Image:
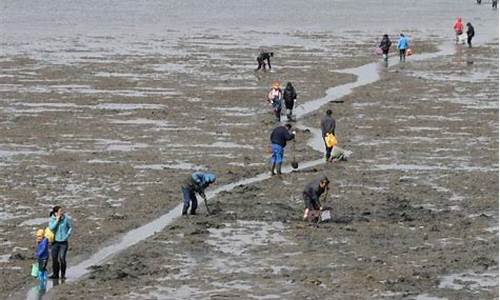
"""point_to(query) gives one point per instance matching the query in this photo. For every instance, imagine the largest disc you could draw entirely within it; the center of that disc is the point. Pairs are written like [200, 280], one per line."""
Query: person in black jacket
[264, 56]
[470, 34]
[279, 137]
[385, 45]
[312, 192]
[327, 126]
[289, 95]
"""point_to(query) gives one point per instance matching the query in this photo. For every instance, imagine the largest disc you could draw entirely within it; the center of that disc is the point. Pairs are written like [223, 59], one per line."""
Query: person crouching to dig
[312, 192]
[196, 183]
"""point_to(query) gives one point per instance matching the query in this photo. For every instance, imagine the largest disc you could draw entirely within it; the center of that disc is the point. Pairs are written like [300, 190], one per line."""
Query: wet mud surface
[415, 208]
[110, 137]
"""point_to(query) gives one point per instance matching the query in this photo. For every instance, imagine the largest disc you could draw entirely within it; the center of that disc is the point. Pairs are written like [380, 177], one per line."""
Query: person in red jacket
[459, 28]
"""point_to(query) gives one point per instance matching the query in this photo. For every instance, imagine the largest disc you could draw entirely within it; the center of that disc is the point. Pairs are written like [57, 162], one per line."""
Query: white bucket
[326, 215]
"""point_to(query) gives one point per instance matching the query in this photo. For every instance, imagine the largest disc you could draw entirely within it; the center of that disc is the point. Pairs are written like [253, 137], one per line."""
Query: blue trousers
[188, 195]
[278, 152]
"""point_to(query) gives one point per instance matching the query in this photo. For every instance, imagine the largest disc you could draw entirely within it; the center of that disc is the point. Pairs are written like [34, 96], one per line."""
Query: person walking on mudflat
[62, 226]
[470, 34]
[385, 45]
[195, 183]
[311, 193]
[262, 59]
[458, 26]
[279, 137]
[290, 97]
[403, 45]
[275, 97]
[327, 127]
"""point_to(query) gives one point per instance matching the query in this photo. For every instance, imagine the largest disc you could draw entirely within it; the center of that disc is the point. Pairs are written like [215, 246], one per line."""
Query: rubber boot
[272, 170]
[192, 212]
[278, 169]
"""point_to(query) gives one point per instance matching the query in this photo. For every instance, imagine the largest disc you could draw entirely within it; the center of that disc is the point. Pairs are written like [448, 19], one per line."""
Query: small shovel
[206, 204]
[294, 162]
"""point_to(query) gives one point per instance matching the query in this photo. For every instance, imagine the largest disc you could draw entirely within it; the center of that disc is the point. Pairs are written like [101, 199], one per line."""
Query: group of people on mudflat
[197, 182]
[403, 44]
[52, 242]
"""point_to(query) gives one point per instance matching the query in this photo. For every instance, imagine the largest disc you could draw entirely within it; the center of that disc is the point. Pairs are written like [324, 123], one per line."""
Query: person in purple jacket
[42, 256]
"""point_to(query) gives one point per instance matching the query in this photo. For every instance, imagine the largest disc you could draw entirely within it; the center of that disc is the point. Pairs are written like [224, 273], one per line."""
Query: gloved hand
[294, 132]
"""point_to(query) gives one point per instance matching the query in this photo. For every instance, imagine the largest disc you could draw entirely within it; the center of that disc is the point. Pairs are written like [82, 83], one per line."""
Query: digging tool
[294, 162]
[206, 204]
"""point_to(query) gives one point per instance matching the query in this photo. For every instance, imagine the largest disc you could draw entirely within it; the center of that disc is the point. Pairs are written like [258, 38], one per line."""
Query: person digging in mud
[470, 34]
[279, 137]
[62, 227]
[290, 97]
[262, 58]
[311, 193]
[403, 45]
[385, 45]
[275, 97]
[327, 127]
[195, 183]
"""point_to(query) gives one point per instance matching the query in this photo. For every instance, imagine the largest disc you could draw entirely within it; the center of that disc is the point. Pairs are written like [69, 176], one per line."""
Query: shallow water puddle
[180, 165]
[244, 235]
[470, 280]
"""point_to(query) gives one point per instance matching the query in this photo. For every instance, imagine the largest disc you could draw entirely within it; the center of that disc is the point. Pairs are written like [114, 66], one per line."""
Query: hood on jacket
[209, 177]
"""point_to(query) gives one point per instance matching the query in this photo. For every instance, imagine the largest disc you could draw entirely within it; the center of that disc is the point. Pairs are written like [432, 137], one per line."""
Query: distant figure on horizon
[470, 34]
[459, 28]
[494, 4]
[385, 45]
[262, 58]
[403, 44]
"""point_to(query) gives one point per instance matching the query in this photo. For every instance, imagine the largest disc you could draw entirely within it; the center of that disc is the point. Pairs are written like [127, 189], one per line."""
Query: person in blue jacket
[279, 137]
[62, 227]
[196, 183]
[42, 256]
[403, 44]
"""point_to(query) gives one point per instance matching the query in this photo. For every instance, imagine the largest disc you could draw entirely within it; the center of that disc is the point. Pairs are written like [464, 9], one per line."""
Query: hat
[40, 233]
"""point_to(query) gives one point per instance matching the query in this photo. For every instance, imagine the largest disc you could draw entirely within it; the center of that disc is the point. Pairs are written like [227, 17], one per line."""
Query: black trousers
[402, 54]
[59, 251]
[469, 40]
[262, 64]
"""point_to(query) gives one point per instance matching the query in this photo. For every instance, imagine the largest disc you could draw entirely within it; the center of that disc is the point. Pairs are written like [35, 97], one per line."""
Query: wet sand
[405, 224]
[112, 138]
